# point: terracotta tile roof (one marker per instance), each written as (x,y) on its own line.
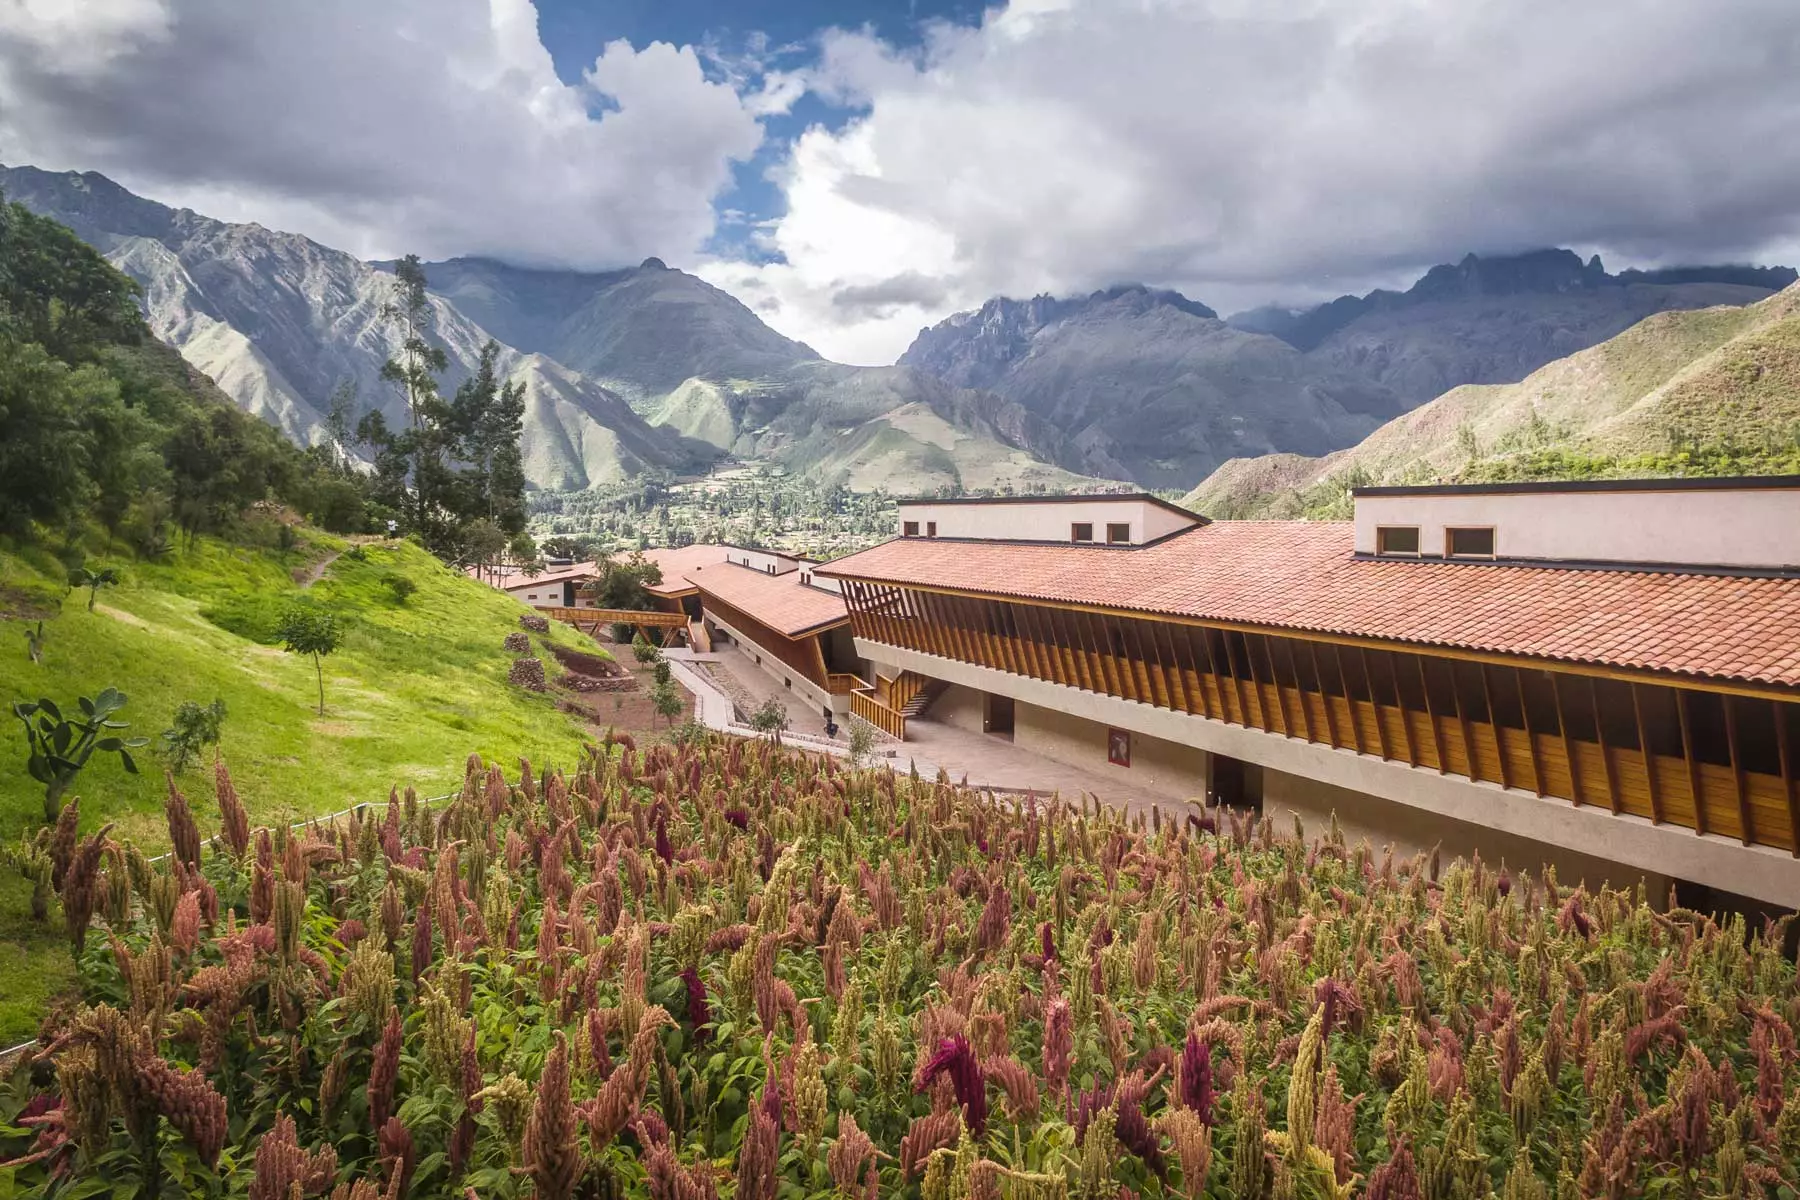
(1302,575)
(781,602)
(677,562)
(512,577)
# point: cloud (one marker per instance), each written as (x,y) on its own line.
(381,126)
(908,287)
(1245,151)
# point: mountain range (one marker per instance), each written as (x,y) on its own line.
(652,369)
(1698,392)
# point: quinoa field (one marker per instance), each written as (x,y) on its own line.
(721,970)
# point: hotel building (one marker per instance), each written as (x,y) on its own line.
(1603,675)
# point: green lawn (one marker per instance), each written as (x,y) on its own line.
(413,690)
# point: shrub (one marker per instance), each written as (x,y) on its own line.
(401,588)
(771,718)
(643,650)
(193,729)
(801,982)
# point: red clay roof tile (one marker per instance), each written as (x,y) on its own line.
(1303,575)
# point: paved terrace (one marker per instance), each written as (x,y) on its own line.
(986,761)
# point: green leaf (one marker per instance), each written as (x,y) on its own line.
(111,743)
(49,706)
(126,761)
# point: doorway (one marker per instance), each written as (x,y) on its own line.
(1234,782)
(997,719)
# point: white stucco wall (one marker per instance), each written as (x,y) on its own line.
(766,561)
(1747,527)
(1554,826)
(1044,521)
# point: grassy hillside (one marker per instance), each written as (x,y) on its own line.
(1709,392)
(415,686)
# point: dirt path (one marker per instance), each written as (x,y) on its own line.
(317,571)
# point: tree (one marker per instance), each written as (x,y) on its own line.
(414,373)
(193,729)
(93,581)
(338,416)
(665,697)
(643,650)
(625,583)
(770,719)
(60,747)
(306,630)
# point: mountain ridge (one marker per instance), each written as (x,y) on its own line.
(280,321)
(1705,391)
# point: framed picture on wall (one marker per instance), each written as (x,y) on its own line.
(1118,747)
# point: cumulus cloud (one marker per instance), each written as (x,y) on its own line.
(1246,151)
(381,126)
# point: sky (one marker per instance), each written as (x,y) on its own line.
(857,169)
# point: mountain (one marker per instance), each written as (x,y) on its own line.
(1497,319)
(641,332)
(1149,385)
(693,358)
(1710,391)
(279,321)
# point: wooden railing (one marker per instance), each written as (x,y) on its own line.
(864,704)
(617,616)
(839,684)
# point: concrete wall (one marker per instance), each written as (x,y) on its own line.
(1045,521)
(1747,527)
(784,676)
(961,708)
(1167,767)
(1409,831)
(1554,826)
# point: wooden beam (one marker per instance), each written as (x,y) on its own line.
(1746,824)
(1494,723)
(1537,759)
(1331,730)
(1237,680)
(1649,759)
(1606,768)
(1306,720)
(1381,738)
(1562,726)
(1790,786)
(1695,792)
(1462,724)
(1171,663)
(1287,718)
(1337,652)
(1437,732)
(1263,719)
(1412,751)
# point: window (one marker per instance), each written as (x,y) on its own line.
(931,529)
(910,529)
(1116,534)
(533,596)
(1397,539)
(1469,543)
(1081,532)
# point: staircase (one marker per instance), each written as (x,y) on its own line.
(922,699)
(698,641)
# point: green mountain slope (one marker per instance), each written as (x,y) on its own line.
(1709,391)
(414,688)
